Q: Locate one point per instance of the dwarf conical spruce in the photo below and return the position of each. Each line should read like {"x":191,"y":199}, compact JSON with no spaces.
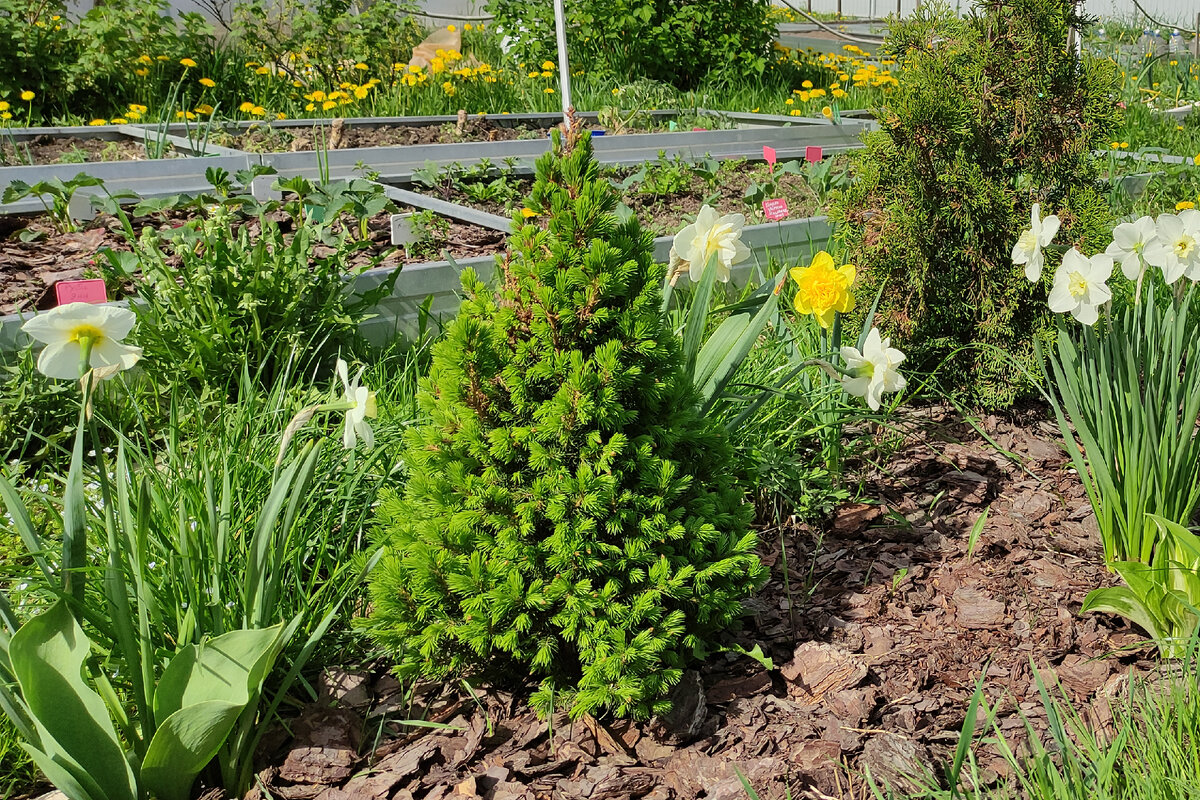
{"x":568,"y":513}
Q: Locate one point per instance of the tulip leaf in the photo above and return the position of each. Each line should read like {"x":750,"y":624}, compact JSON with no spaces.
{"x":1122,"y":601}
{"x":199,"y":698}
{"x":48,"y":654}
{"x":735,"y":353}
{"x":227,"y":668}
{"x":184,"y":744}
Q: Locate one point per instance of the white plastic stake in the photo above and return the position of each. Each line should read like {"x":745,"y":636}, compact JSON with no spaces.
{"x":402,"y":230}
{"x":79,"y":207}
{"x":261,"y":189}
{"x":564,"y":68}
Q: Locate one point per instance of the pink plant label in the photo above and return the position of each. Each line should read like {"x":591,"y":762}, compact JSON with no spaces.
{"x":89,"y":291}
{"x":775,"y":208}
{"x":769,"y":155}
{"x":699,"y":129}
{"x":812,"y":154}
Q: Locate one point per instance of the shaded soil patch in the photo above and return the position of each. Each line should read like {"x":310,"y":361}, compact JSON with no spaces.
{"x":29,"y":270}
{"x":888,"y":625}
{"x":46,"y":149}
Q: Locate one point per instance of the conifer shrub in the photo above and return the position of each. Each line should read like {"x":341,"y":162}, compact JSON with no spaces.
{"x":993,"y":113}
{"x":569,"y":514}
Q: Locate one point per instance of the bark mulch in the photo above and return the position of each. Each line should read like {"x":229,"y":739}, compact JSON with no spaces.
{"x":889,"y":624}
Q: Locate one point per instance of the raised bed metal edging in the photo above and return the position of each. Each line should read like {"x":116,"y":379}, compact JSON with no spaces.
{"x":150,"y":178}
{"x":197,"y":147}
{"x":398,"y":164}
{"x":400,"y":312}
{"x":164,"y":177}
{"x":446,"y":209}
{"x":502,"y":120}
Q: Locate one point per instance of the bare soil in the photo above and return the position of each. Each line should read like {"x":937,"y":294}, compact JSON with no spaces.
{"x":665,"y":212}
{"x":29,"y":270}
{"x":340,"y":135}
{"x":45,"y":149}
{"x":889,"y":623}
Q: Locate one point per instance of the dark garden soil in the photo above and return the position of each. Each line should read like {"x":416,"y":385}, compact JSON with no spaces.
{"x":889,"y":624}
{"x":46,"y":149}
{"x":664,"y":213}
{"x":338,"y":135}
{"x":29,"y":270}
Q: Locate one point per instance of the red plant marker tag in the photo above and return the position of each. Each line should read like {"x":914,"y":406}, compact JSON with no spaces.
{"x":699,"y":129}
{"x":769,"y":155}
{"x":812,"y":154}
{"x":775,"y":208}
{"x":89,"y":291}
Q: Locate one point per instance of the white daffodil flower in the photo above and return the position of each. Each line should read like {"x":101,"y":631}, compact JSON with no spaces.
{"x":360,"y":405}
{"x":873,"y":371}
{"x":1176,"y":247}
{"x":1129,"y":243}
{"x":1080,"y":286}
{"x":68,"y":329}
{"x":709,"y":234}
{"x":1028,"y":249}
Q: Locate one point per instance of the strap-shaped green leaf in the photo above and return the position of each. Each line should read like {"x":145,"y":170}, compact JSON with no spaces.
{"x":184,"y":744}
{"x":47,"y":656}
{"x":200,"y":696}
{"x":227,"y":668}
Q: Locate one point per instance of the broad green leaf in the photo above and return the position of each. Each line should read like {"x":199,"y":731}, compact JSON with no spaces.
{"x":200,"y":696}
{"x":62,"y":778}
{"x":716,"y":350}
{"x":227,"y":668}
{"x":1120,"y":600}
{"x":184,"y":744}
{"x":736,"y":354}
{"x":48,"y":654}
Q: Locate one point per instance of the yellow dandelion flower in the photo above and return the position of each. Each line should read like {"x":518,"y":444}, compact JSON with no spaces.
{"x":209,"y":82}
{"x":328,"y":104}
{"x":547,"y":65}
{"x":528,"y":213}
{"x":27,"y":95}
{"x":187,"y":63}
{"x":827,"y":112}
{"x":547,"y":90}
{"x":141,"y":73}
{"x":1184,"y":204}
{"x":262,"y":71}
{"x":98,"y":122}
{"x":246,"y":107}
{"x":4,"y":106}
{"x":144,"y":59}
{"x":119,"y":121}
{"x":451,"y":28}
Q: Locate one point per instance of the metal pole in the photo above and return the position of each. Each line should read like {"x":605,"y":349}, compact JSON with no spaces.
{"x":1196,"y":39}
{"x":564,"y":68}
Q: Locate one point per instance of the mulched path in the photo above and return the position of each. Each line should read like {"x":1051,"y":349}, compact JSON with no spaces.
{"x":893,"y":624}
{"x":29,"y":270}
{"x":46,"y":149}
